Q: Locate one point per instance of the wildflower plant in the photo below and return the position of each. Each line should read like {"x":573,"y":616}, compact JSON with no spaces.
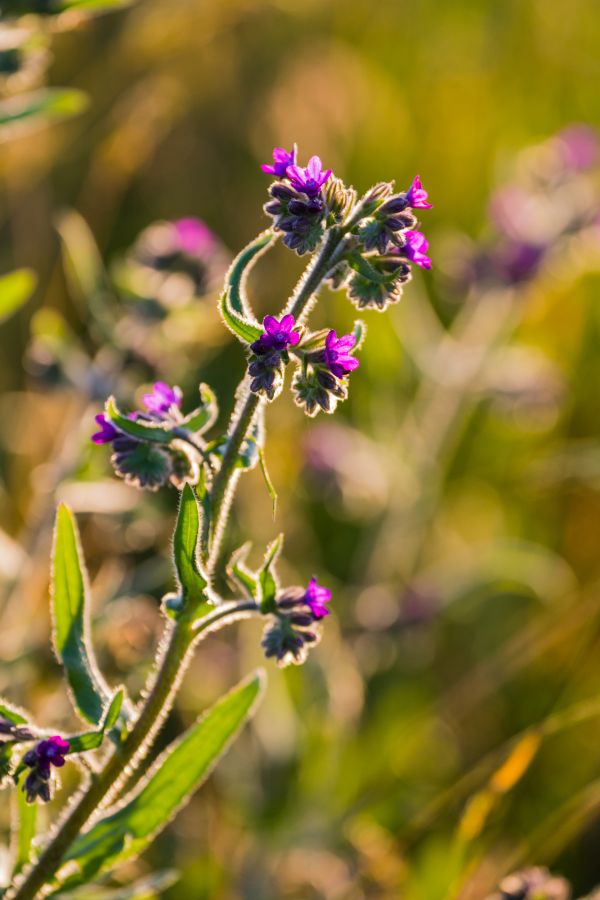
{"x":364,"y":245}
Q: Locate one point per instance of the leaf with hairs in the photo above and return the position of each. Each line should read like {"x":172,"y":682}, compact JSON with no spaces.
{"x":153,"y":433}
{"x":234,"y":305}
{"x":172,"y":779}
{"x":70,"y":609}
{"x":25,"y":817}
{"x":239,"y":573}
{"x":266,"y":578}
{"x":192,"y":579}
{"x":91,"y":740}
{"x":205,"y":415}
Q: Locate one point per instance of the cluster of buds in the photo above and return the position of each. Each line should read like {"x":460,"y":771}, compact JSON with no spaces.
{"x":295,"y":626}
{"x":298,"y":206}
{"x":173,"y":262}
{"x":40,"y":760}
{"x":325,"y":362}
{"x":150,"y":464}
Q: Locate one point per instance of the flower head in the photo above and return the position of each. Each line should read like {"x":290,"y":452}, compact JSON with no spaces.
{"x":281,"y":160}
{"x":315,"y":597}
{"x":337,"y":354}
{"x":278,"y":335}
{"x":51,"y":752}
{"x":416,"y":195}
{"x":309,"y":180}
{"x":162,"y":398}
{"x":107,"y":432}
{"x":415,"y":249}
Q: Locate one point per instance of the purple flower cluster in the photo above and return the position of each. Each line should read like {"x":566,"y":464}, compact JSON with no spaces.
{"x":49,"y":752}
{"x":337,"y":354}
{"x":323,"y":379}
{"x":297,"y":206}
{"x":295,"y":626}
{"x":266,"y":363}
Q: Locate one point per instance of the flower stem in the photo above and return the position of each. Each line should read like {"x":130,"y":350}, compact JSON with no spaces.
{"x":183,"y":636}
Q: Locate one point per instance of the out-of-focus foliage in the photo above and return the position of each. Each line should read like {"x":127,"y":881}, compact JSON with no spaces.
{"x":445,"y":731}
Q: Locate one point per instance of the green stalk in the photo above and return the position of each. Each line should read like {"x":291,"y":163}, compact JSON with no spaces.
{"x":167,"y":676}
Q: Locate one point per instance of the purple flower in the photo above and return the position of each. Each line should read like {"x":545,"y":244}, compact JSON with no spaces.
{"x":107,"y":432}
{"x":193,"y":236}
{"x":162,"y":398}
{"x":315,"y":597}
{"x":51,"y":752}
{"x":281,"y":160}
{"x":415,"y":249}
{"x":309,"y":180}
{"x":337,"y":354}
{"x":579,"y":146}
{"x":278,"y":335}
{"x":416,"y":195}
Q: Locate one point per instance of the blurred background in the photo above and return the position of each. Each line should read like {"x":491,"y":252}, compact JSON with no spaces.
{"x":445,"y":732}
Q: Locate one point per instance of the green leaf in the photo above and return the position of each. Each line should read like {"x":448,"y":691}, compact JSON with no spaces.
{"x":12,"y":713}
{"x":140,"y":430}
{"x":15,"y":290}
{"x":26,"y":111}
{"x":359,"y":332}
{"x":176,"y":774}
{"x":70,"y":608}
{"x":241,"y":575}
{"x":234,"y":305}
{"x":25,"y":830}
{"x":93,"y":5}
{"x":205,"y":415}
{"x":267,"y":478}
{"x":91,"y":740}
{"x":266,"y":578}
{"x":191,"y":578}
{"x":244,"y":330}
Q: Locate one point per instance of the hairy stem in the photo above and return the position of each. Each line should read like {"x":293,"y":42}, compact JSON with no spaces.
{"x":243,"y":417}
{"x":182,"y":637}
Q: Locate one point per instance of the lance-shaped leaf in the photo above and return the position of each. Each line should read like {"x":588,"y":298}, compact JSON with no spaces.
{"x":266,"y":577}
{"x":70,"y":608}
{"x":15,"y":290}
{"x":192,"y":579}
{"x":12,"y":713}
{"x":234,"y":305}
{"x":90,"y":740}
{"x":241,"y":575}
{"x":205,"y":415}
{"x":138,"y":429}
{"x":171,"y":781}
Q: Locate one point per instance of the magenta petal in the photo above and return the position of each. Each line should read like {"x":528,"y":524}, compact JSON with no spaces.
{"x":287,"y":322}
{"x":270,"y":324}
{"x":331,"y":340}
{"x":314,"y":167}
{"x":294,"y":338}
{"x":346,"y":342}
{"x":323,"y":178}
{"x":294,"y":173}
{"x":351,"y":363}
{"x":270,"y":170}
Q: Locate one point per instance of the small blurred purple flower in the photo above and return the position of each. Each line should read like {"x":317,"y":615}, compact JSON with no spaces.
{"x":416,"y":195}
{"x":51,"y":752}
{"x":579,"y":146}
{"x":337,"y":354}
{"x":107,"y":432}
{"x":315,"y":597}
{"x":415,"y":249}
{"x":309,"y":180}
{"x":162,"y":398}
{"x":193,"y":236}
{"x":281,"y":160}
{"x":278,"y":334}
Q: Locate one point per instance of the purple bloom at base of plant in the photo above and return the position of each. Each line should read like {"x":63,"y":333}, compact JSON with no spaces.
{"x":309,"y":180}
{"x":415,"y":249}
{"x":162,"y":398}
{"x":278,"y":334}
{"x":193,"y":235}
{"x":315,"y":597}
{"x":52,"y":752}
{"x":416,"y":195}
{"x":337,"y":354}
{"x":281,"y":160}
{"x":107,"y":432}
